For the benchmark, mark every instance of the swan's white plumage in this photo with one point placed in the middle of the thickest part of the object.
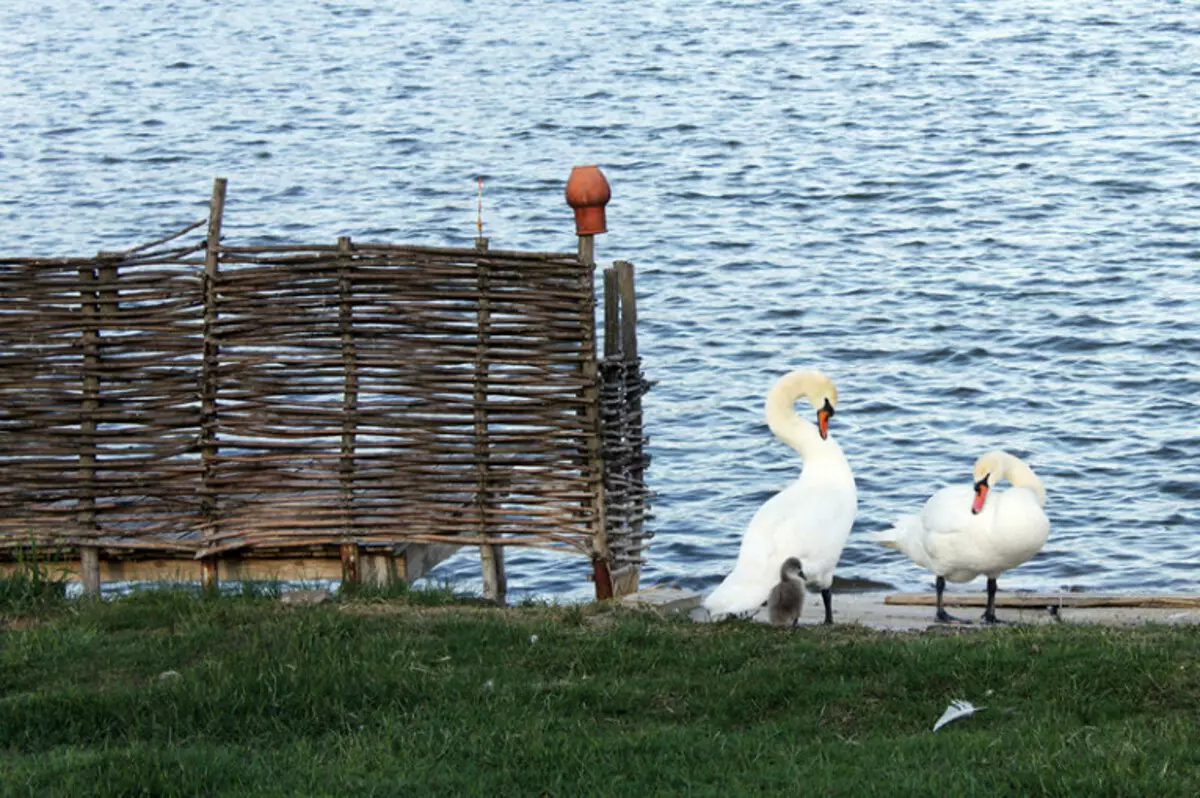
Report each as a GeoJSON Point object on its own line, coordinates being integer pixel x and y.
{"type": "Point", "coordinates": [810, 519]}
{"type": "Point", "coordinates": [946, 538]}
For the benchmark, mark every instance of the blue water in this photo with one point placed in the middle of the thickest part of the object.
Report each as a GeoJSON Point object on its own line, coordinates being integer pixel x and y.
{"type": "Point", "coordinates": [982, 219]}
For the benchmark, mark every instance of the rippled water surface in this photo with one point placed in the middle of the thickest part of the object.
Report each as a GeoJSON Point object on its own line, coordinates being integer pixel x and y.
{"type": "Point", "coordinates": [983, 220]}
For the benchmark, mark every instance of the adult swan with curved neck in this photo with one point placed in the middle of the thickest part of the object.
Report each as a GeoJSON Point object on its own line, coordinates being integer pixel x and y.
{"type": "Point", "coordinates": [810, 519]}
{"type": "Point", "coordinates": [967, 530]}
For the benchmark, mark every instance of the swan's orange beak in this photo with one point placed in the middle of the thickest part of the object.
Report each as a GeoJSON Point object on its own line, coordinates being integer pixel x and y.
{"type": "Point", "coordinates": [823, 416]}
{"type": "Point", "coordinates": [981, 491]}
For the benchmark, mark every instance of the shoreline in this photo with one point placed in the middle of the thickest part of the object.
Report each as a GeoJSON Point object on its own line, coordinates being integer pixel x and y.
{"type": "Point", "coordinates": [913, 612]}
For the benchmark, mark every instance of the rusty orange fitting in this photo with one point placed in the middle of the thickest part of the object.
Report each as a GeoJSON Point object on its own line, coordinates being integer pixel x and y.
{"type": "Point", "coordinates": [588, 193]}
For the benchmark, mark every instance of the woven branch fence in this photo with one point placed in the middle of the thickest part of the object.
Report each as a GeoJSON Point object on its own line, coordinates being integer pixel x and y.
{"type": "Point", "coordinates": [212, 400]}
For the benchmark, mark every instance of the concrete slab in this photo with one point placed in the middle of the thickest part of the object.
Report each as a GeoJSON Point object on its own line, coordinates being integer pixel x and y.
{"type": "Point", "coordinates": [664, 599]}
{"type": "Point", "coordinates": [871, 610]}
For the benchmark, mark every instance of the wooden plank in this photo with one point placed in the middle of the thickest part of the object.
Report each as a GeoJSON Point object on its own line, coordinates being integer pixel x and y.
{"type": "Point", "coordinates": [378, 569]}
{"type": "Point", "coordinates": [258, 569]}
{"type": "Point", "coordinates": [1040, 600]}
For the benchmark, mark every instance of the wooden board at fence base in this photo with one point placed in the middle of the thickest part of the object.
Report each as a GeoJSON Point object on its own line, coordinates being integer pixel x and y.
{"type": "Point", "coordinates": [1039, 600]}
{"type": "Point", "coordinates": [297, 569]}
{"type": "Point", "coordinates": [376, 566]}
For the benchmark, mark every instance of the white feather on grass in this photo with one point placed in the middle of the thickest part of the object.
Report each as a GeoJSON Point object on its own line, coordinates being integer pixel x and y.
{"type": "Point", "coordinates": [956, 710]}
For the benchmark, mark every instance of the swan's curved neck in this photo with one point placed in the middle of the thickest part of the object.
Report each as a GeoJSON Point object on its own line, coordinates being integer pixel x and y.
{"type": "Point", "coordinates": [1022, 476]}
{"type": "Point", "coordinates": [800, 434]}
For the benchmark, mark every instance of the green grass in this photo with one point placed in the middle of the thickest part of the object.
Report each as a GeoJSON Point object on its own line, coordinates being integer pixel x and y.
{"type": "Point", "coordinates": [390, 696]}
{"type": "Point", "coordinates": [36, 588]}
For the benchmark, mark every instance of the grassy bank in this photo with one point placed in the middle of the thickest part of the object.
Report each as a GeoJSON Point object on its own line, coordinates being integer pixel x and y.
{"type": "Point", "coordinates": [169, 694]}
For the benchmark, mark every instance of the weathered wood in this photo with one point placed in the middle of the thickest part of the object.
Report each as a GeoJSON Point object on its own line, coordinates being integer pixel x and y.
{"type": "Point", "coordinates": [350, 383]}
{"type": "Point", "coordinates": [91, 400]}
{"type": "Point", "coordinates": [628, 580]}
{"type": "Point", "coordinates": [293, 396]}
{"type": "Point", "coordinates": [252, 569]}
{"type": "Point", "coordinates": [379, 569]}
{"type": "Point", "coordinates": [89, 570]}
{"type": "Point", "coordinates": [209, 364]}
{"type": "Point", "coordinates": [495, 581]}
{"type": "Point", "coordinates": [587, 251]}
{"type": "Point", "coordinates": [629, 346]}
{"type": "Point", "coordinates": [210, 574]}
{"type": "Point", "coordinates": [350, 558]}
{"type": "Point", "coordinates": [1042, 600]}
{"type": "Point", "coordinates": [589, 367]}
{"type": "Point", "coordinates": [491, 558]}
{"type": "Point", "coordinates": [612, 311]}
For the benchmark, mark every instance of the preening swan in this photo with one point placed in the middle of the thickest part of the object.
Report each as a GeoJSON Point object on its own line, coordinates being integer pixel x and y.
{"type": "Point", "coordinates": [809, 519]}
{"type": "Point", "coordinates": [786, 600]}
{"type": "Point", "coordinates": [967, 530]}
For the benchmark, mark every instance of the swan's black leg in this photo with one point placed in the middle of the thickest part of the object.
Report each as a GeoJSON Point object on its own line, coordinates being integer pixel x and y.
{"type": "Point", "coordinates": [942, 615]}
{"type": "Point", "coordinates": [989, 614]}
{"type": "Point", "coordinates": [827, 597]}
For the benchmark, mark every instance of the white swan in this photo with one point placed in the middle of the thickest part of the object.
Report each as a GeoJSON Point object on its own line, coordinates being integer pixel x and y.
{"type": "Point", "coordinates": [809, 519]}
{"type": "Point", "coordinates": [967, 530]}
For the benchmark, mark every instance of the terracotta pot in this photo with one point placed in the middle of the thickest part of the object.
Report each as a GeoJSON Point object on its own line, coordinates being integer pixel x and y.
{"type": "Point", "coordinates": [588, 193]}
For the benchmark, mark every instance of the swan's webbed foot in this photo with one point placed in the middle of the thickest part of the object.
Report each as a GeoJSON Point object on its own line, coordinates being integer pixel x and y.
{"type": "Point", "coordinates": [945, 617]}
{"type": "Point", "coordinates": [989, 617]}
{"type": "Point", "coordinates": [827, 599]}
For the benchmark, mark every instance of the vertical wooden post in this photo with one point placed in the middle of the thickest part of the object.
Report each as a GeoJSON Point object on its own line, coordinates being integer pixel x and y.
{"type": "Point", "coordinates": [350, 385]}
{"type": "Point", "coordinates": [491, 557]}
{"type": "Point", "coordinates": [601, 555]}
{"type": "Point", "coordinates": [350, 554]}
{"type": "Point", "coordinates": [612, 319]}
{"type": "Point", "coordinates": [209, 575]}
{"type": "Point", "coordinates": [88, 555]}
{"type": "Point", "coordinates": [628, 582]}
{"type": "Point", "coordinates": [208, 377]}
{"type": "Point", "coordinates": [89, 568]}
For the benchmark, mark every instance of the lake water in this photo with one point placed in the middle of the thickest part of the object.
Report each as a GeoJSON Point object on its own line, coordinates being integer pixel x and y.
{"type": "Point", "coordinates": [981, 218]}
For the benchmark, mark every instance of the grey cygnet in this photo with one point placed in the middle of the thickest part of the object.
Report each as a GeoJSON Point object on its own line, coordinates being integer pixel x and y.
{"type": "Point", "coordinates": [787, 598]}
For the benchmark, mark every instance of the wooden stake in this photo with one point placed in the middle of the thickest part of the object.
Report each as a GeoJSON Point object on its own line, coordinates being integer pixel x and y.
{"type": "Point", "coordinates": [89, 556]}
{"type": "Point", "coordinates": [89, 569]}
{"type": "Point", "coordinates": [349, 563]}
{"type": "Point", "coordinates": [491, 558]}
{"type": "Point", "coordinates": [601, 555]}
{"type": "Point", "coordinates": [210, 580]}
{"type": "Point", "coordinates": [350, 386]}
{"type": "Point", "coordinates": [628, 581]}
{"type": "Point", "coordinates": [211, 360]}
{"type": "Point", "coordinates": [612, 318]}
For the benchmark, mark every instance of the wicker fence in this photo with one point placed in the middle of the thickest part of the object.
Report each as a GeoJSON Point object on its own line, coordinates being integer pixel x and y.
{"type": "Point", "coordinates": [214, 401]}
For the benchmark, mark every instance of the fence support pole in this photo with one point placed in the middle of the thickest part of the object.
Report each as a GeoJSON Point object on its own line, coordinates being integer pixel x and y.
{"type": "Point", "coordinates": [208, 378]}
{"type": "Point", "coordinates": [349, 388]}
{"type": "Point", "coordinates": [601, 555]}
{"type": "Point", "coordinates": [491, 557]}
{"type": "Point", "coordinates": [88, 554]}
{"type": "Point", "coordinates": [350, 554]}
{"type": "Point", "coordinates": [627, 582]}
